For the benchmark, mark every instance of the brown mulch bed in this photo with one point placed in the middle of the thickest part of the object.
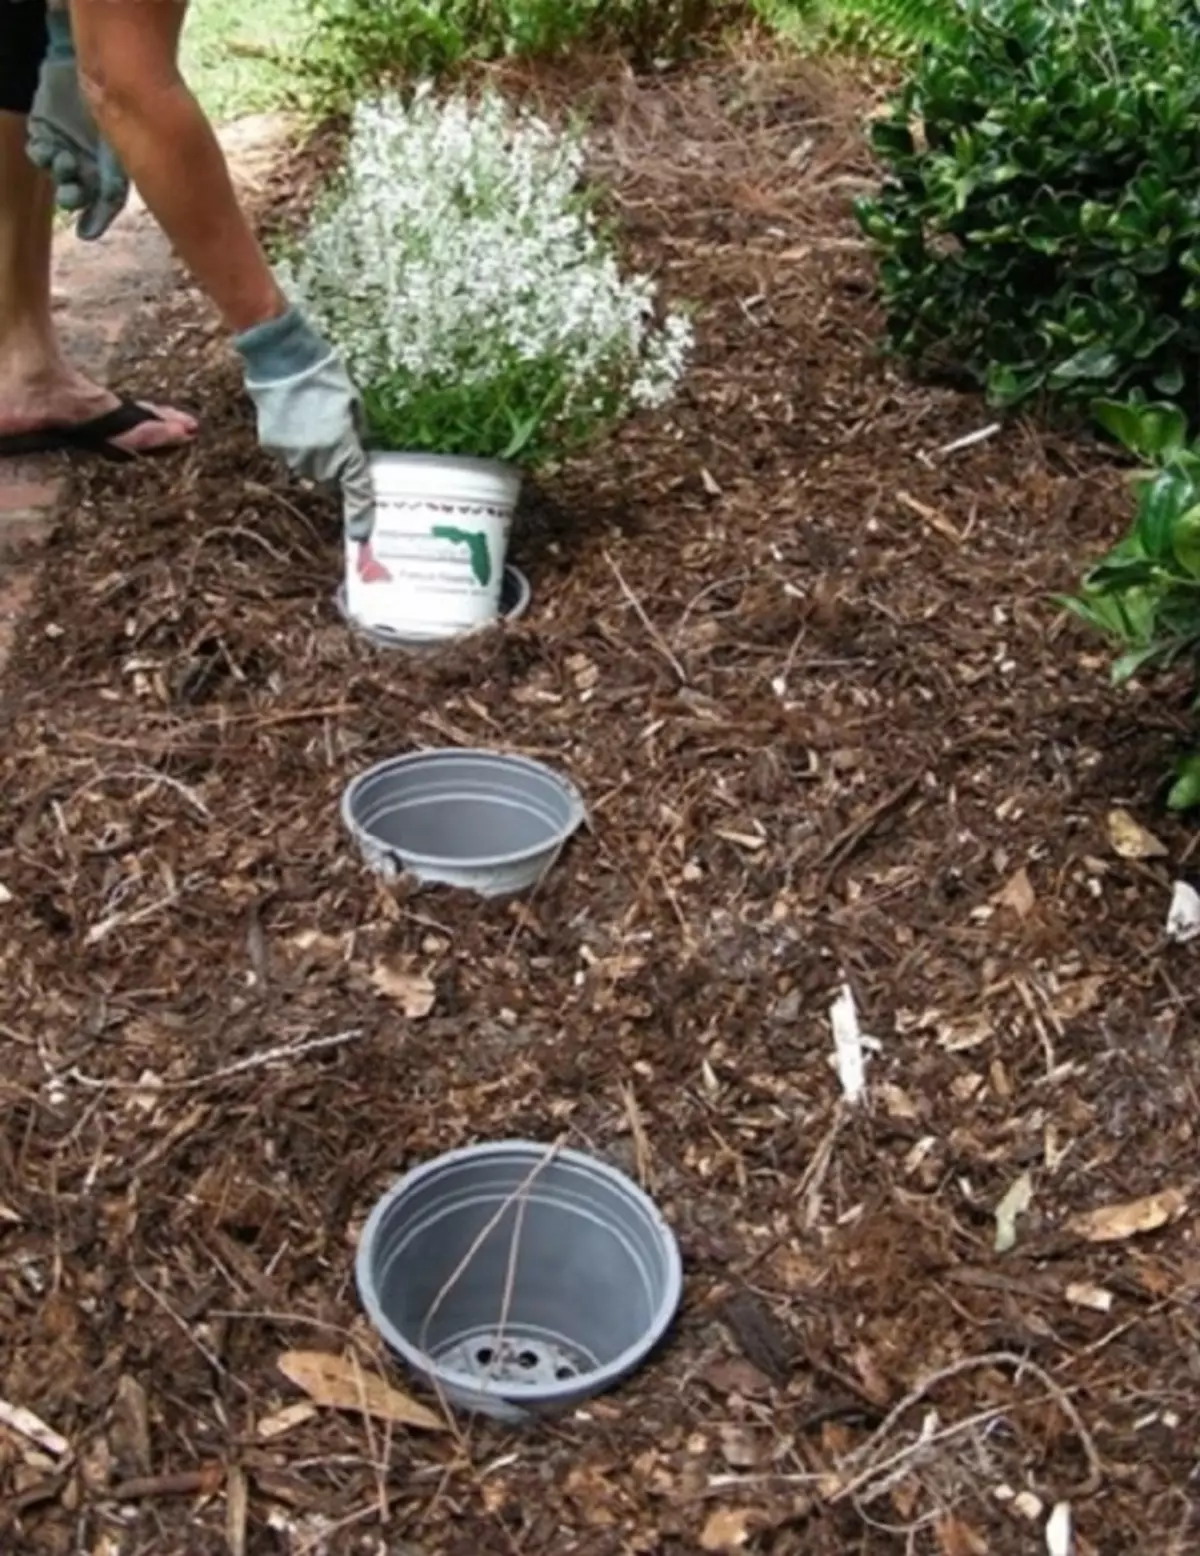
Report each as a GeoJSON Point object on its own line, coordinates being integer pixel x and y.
{"type": "Point", "coordinates": [804, 667]}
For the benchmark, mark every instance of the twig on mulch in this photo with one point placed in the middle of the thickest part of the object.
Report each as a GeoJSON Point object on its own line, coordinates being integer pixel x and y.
{"type": "Point", "coordinates": [26, 1424]}
{"type": "Point", "coordinates": [239, 1067]}
{"type": "Point", "coordinates": [652, 631]}
{"type": "Point", "coordinates": [863, 1484]}
{"type": "Point", "coordinates": [880, 1466]}
{"type": "Point", "coordinates": [851, 838]}
{"type": "Point", "coordinates": [183, 1483]}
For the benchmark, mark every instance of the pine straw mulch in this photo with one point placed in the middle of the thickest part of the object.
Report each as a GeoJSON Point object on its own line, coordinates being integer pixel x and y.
{"type": "Point", "coordinates": [801, 661]}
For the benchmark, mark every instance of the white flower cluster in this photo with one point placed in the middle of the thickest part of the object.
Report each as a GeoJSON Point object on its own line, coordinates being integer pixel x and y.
{"type": "Point", "coordinates": [458, 253]}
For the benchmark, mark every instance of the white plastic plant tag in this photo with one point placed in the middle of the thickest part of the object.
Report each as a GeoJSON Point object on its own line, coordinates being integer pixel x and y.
{"type": "Point", "coordinates": [1059, 1541]}
{"type": "Point", "coordinates": [848, 1045]}
{"type": "Point", "coordinates": [1183, 918]}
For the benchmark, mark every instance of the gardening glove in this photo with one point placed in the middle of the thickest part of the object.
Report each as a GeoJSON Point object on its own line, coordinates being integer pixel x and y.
{"type": "Point", "coordinates": [63, 139]}
{"type": "Point", "coordinates": [309, 413]}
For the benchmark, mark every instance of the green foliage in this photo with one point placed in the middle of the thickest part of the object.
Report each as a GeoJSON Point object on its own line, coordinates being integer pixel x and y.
{"type": "Point", "coordinates": [358, 43]}
{"type": "Point", "coordinates": [1038, 228]}
{"type": "Point", "coordinates": [878, 28]}
{"type": "Point", "coordinates": [1145, 594]}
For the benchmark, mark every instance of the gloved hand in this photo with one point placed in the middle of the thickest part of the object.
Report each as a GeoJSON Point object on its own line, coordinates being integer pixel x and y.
{"type": "Point", "coordinates": [309, 413]}
{"type": "Point", "coordinates": [63, 139]}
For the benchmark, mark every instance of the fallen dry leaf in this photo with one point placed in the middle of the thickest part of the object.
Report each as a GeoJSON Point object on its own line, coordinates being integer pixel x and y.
{"type": "Point", "coordinates": [898, 1103]}
{"type": "Point", "coordinates": [958, 1539]}
{"type": "Point", "coordinates": [875, 1385]}
{"type": "Point", "coordinates": [1077, 998]}
{"type": "Point", "coordinates": [728, 1529]}
{"type": "Point", "coordinates": [1084, 1294]}
{"type": "Point", "coordinates": [1018, 894]}
{"type": "Point", "coordinates": [1129, 838]}
{"type": "Point", "coordinates": [735, 1376]}
{"type": "Point", "coordinates": [1114, 1223]}
{"type": "Point", "coordinates": [412, 991]}
{"type": "Point", "coordinates": [286, 1420]}
{"type": "Point", "coordinates": [1015, 1203]}
{"type": "Point", "coordinates": [339, 1383]}
{"type": "Point", "coordinates": [740, 1447]}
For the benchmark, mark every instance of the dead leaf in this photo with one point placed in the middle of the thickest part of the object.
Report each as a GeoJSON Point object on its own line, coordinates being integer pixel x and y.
{"type": "Point", "coordinates": [959, 1037]}
{"type": "Point", "coordinates": [1083, 1294]}
{"type": "Point", "coordinates": [874, 1385]}
{"type": "Point", "coordinates": [740, 1447]}
{"type": "Point", "coordinates": [595, 1493]}
{"type": "Point", "coordinates": [736, 1376]}
{"type": "Point", "coordinates": [1114, 1223]}
{"type": "Point", "coordinates": [1018, 894]}
{"type": "Point", "coordinates": [898, 1103]}
{"type": "Point", "coordinates": [1077, 998]}
{"type": "Point", "coordinates": [1015, 1203]}
{"type": "Point", "coordinates": [584, 672]}
{"type": "Point", "coordinates": [313, 940]}
{"type": "Point", "coordinates": [728, 1529]}
{"type": "Point", "coordinates": [958, 1539]}
{"type": "Point", "coordinates": [412, 991]}
{"type": "Point", "coordinates": [286, 1420]}
{"type": "Point", "coordinates": [1129, 838]}
{"type": "Point", "coordinates": [339, 1383]}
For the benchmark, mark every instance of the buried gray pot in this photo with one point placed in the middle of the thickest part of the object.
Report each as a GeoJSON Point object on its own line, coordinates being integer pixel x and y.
{"type": "Point", "coordinates": [515, 595]}
{"type": "Point", "coordinates": [516, 1280]}
{"type": "Point", "coordinates": [485, 821]}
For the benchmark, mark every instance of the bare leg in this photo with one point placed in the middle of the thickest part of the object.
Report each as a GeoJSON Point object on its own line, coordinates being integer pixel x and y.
{"type": "Point", "coordinates": [37, 385]}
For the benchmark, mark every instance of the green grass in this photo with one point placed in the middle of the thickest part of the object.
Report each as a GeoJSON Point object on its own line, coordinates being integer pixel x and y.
{"type": "Point", "coordinates": [238, 55]}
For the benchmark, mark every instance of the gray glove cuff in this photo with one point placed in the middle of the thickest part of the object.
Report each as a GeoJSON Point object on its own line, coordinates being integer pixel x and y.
{"type": "Point", "coordinates": [280, 348]}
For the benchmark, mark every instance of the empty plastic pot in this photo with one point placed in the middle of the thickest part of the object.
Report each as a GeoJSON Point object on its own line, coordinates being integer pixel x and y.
{"type": "Point", "coordinates": [515, 595]}
{"type": "Point", "coordinates": [480, 820]}
{"type": "Point", "coordinates": [517, 1281]}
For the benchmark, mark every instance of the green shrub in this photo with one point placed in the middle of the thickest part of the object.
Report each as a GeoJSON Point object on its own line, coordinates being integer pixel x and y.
{"type": "Point", "coordinates": [1038, 228]}
{"type": "Point", "coordinates": [1145, 594]}
{"type": "Point", "coordinates": [880, 28]}
{"type": "Point", "coordinates": [357, 43]}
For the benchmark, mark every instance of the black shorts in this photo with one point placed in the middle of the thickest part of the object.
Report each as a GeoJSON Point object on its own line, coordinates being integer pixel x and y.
{"type": "Point", "coordinates": [22, 49]}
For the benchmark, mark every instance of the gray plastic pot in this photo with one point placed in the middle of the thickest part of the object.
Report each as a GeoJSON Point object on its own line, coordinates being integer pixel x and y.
{"type": "Point", "coordinates": [484, 821]}
{"type": "Point", "coordinates": [592, 1271]}
{"type": "Point", "coordinates": [515, 595]}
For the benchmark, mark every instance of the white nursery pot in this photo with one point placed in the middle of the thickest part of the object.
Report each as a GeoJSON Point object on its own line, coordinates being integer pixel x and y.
{"type": "Point", "coordinates": [441, 533]}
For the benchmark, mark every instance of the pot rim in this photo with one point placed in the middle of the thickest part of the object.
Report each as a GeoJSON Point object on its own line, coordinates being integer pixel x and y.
{"type": "Point", "coordinates": [488, 862]}
{"type": "Point", "coordinates": [581, 1385]}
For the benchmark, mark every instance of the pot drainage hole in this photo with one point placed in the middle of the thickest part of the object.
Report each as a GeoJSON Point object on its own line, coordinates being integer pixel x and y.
{"type": "Point", "coordinates": [516, 1359]}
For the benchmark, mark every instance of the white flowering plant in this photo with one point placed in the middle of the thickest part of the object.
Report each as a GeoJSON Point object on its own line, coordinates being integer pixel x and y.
{"type": "Point", "coordinates": [459, 266]}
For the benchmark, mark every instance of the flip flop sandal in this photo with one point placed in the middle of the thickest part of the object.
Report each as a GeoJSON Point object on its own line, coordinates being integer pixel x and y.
{"type": "Point", "coordinates": [88, 437]}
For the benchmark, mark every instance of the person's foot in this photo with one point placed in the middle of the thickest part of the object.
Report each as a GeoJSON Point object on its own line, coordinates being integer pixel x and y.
{"type": "Point", "coordinates": [69, 398]}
